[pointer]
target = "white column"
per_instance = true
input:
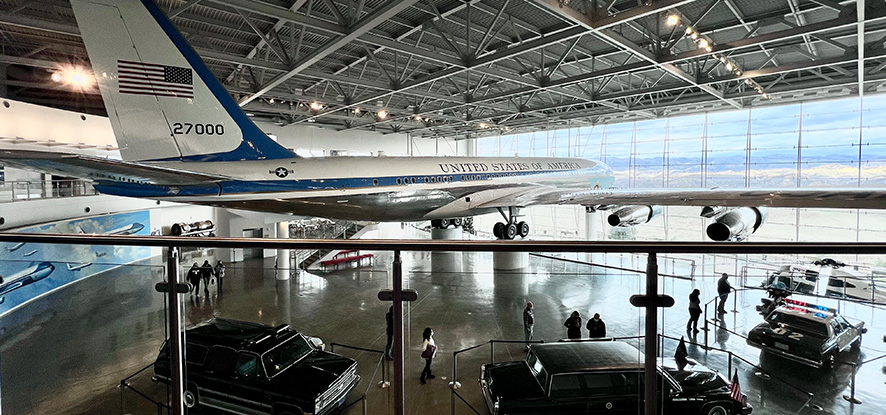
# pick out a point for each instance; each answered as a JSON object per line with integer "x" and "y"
{"x": 282, "y": 254}
{"x": 592, "y": 228}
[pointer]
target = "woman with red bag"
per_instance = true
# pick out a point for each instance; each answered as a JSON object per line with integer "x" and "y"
{"x": 429, "y": 350}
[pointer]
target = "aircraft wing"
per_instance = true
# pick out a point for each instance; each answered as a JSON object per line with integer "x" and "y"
{"x": 101, "y": 169}
{"x": 845, "y": 198}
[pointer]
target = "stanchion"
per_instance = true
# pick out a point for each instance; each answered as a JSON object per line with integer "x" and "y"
{"x": 734, "y": 301}
{"x": 851, "y": 397}
{"x": 705, "y": 328}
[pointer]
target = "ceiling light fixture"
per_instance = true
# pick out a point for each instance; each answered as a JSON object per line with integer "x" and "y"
{"x": 673, "y": 20}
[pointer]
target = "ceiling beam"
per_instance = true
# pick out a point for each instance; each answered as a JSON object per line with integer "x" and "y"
{"x": 377, "y": 16}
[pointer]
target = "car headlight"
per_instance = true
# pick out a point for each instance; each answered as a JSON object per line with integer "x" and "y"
{"x": 495, "y": 408}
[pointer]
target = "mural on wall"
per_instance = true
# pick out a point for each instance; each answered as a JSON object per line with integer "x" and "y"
{"x": 29, "y": 270}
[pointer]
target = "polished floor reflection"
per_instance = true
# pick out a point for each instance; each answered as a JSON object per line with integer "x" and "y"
{"x": 68, "y": 352}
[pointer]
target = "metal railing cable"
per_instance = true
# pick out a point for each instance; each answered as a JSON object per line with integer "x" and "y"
{"x": 125, "y": 385}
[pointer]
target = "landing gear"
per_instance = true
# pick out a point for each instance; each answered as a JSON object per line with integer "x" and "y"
{"x": 445, "y": 223}
{"x": 512, "y": 228}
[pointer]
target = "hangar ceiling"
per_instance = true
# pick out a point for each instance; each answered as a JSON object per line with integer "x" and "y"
{"x": 471, "y": 68}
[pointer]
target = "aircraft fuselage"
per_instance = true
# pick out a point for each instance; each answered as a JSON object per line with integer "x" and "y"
{"x": 371, "y": 188}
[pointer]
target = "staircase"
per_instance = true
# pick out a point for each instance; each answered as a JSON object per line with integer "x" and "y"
{"x": 343, "y": 230}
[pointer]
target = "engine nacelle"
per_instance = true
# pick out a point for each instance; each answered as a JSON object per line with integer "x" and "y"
{"x": 737, "y": 224}
{"x": 627, "y": 216}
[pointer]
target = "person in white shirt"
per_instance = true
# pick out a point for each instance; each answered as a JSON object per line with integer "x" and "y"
{"x": 428, "y": 352}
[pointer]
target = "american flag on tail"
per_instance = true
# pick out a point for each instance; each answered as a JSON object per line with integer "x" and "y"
{"x": 735, "y": 388}
{"x": 152, "y": 79}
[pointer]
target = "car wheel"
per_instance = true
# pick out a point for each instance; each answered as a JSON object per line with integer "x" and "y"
{"x": 716, "y": 409}
{"x": 830, "y": 361}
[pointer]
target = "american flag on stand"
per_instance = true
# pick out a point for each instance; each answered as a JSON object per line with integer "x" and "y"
{"x": 735, "y": 388}
{"x": 152, "y": 79}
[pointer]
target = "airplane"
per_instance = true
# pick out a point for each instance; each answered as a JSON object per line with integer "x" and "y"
{"x": 127, "y": 230}
{"x": 184, "y": 139}
{"x": 78, "y": 267}
{"x": 100, "y": 254}
{"x": 30, "y": 253}
{"x": 15, "y": 247}
{"x": 25, "y": 277}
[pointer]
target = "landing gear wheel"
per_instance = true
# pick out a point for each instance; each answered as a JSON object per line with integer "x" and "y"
{"x": 456, "y": 222}
{"x": 511, "y": 231}
{"x": 435, "y": 223}
{"x": 499, "y": 230}
{"x": 522, "y": 229}
{"x": 444, "y": 223}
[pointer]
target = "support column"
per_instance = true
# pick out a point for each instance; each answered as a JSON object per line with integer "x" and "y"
{"x": 176, "y": 336}
{"x": 592, "y": 228}
{"x": 282, "y": 254}
{"x": 399, "y": 407}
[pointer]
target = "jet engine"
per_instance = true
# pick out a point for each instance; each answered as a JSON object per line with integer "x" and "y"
{"x": 627, "y": 216}
{"x": 737, "y": 224}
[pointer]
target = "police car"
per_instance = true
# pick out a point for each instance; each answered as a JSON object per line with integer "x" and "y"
{"x": 807, "y": 333}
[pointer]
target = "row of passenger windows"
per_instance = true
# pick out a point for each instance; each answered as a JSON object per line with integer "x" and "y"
{"x": 442, "y": 179}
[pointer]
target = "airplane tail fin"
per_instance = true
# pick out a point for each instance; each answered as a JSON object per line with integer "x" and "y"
{"x": 163, "y": 102}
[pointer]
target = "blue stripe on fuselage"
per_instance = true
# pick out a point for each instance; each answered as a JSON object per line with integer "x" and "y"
{"x": 256, "y": 144}
{"x": 268, "y": 186}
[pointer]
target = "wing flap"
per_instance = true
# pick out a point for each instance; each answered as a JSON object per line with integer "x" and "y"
{"x": 102, "y": 170}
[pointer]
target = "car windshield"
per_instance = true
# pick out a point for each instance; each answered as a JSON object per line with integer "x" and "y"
{"x": 806, "y": 325}
{"x": 284, "y": 355}
{"x": 537, "y": 369}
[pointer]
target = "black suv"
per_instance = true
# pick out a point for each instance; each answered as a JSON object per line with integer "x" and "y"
{"x": 245, "y": 367}
{"x": 603, "y": 377}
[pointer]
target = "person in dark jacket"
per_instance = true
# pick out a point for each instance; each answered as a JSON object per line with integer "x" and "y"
{"x": 206, "y": 272}
{"x": 194, "y": 279}
{"x": 219, "y": 275}
{"x": 528, "y": 323}
{"x": 723, "y": 288}
{"x": 596, "y": 327}
{"x": 694, "y": 311}
{"x": 573, "y": 326}
{"x": 389, "y": 330}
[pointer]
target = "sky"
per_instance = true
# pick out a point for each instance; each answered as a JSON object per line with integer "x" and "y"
{"x": 829, "y": 137}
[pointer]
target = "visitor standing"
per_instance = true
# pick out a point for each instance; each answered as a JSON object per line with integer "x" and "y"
{"x": 429, "y": 351}
{"x": 573, "y": 326}
{"x": 723, "y": 289}
{"x": 596, "y": 327}
{"x": 528, "y": 323}
{"x": 694, "y": 311}
{"x": 219, "y": 275}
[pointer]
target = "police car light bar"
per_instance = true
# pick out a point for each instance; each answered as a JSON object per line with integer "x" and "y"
{"x": 810, "y": 306}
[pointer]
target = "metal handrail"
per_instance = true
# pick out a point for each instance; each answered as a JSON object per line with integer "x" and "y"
{"x": 860, "y": 248}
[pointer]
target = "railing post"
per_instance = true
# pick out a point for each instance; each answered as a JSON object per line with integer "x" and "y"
{"x": 730, "y": 362}
{"x": 491, "y": 351}
{"x": 176, "y": 336}
{"x": 399, "y": 407}
{"x": 735, "y": 301}
{"x": 651, "y": 384}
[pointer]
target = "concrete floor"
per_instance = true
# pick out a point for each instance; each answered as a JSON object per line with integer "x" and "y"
{"x": 68, "y": 352}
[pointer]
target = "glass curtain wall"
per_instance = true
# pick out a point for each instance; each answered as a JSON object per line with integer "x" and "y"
{"x": 817, "y": 144}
